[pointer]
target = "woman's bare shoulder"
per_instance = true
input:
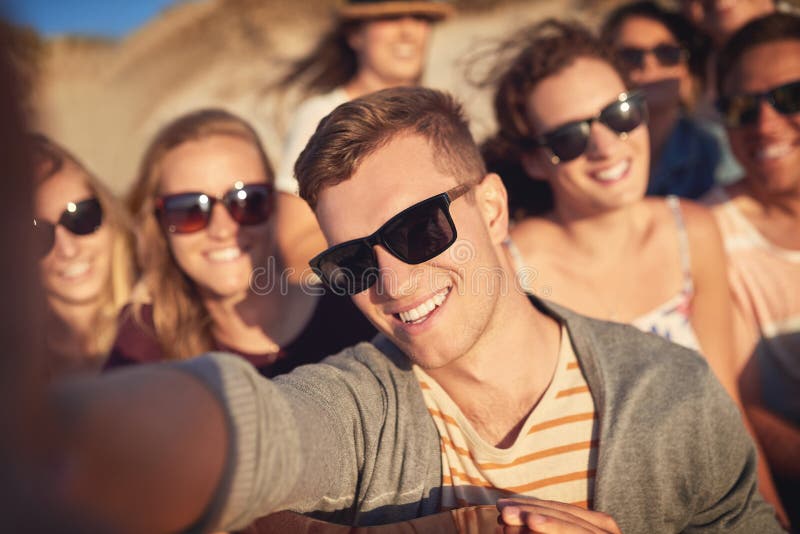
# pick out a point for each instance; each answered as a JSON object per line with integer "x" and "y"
{"x": 699, "y": 221}
{"x": 696, "y": 218}
{"x": 534, "y": 234}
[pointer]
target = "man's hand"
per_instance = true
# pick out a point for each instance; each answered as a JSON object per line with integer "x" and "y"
{"x": 550, "y": 517}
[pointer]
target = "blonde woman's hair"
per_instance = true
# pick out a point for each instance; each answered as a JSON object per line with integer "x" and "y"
{"x": 49, "y": 159}
{"x": 182, "y": 324}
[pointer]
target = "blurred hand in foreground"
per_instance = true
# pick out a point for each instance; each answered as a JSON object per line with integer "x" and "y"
{"x": 551, "y": 517}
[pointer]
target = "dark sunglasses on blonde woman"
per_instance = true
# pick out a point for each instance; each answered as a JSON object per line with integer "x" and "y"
{"x": 183, "y": 213}
{"x": 744, "y": 109}
{"x": 415, "y": 235}
{"x": 570, "y": 140}
{"x": 80, "y": 218}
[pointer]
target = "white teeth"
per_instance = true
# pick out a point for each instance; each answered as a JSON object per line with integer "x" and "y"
{"x": 773, "y": 151}
{"x": 421, "y": 312}
{"x": 75, "y": 270}
{"x": 225, "y": 254}
{"x": 404, "y": 51}
{"x": 615, "y": 172}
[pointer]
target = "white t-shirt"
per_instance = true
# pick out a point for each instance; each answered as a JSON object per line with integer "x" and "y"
{"x": 304, "y": 124}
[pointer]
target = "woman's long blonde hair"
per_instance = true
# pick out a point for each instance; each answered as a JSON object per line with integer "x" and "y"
{"x": 182, "y": 324}
{"x": 49, "y": 160}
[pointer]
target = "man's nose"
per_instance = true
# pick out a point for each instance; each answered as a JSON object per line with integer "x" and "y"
{"x": 396, "y": 278}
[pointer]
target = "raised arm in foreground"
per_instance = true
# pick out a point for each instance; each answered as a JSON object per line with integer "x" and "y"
{"x": 141, "y": 450}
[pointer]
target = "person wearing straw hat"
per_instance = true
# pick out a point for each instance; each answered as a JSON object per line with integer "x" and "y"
{"x": 374, "y": 45}
{"x": 360, "y": 9}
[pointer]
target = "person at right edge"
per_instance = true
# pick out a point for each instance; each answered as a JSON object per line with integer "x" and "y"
{"x": 758, "y": 75}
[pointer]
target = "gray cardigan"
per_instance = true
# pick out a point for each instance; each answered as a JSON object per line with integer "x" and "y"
{"x": 352, "y": 441}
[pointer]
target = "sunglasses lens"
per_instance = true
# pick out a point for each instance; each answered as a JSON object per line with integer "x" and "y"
{"x": 668, "y": 55}
{"x": 85, "y": 218}
{"x": 624, "y": 116}
{"x": 348, "y": 269}
{"x": 739, "y": 110}
{"x": 632, "y": 57}
{"x": 787, "y": 98}
{"x": 414, "y": 236}
{"x": 251, "y": 204}
{"x": 569, "y": 141}
{"x": 185, "y": 213}
{"x": 420, "y": 233}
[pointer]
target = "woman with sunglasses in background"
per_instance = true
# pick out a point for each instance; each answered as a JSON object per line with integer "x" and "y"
{"x": 86, "y": 263}
{"x": 591, "y": 240}
{"x": 665, "y": 58}
{"x": 203, "y": 209}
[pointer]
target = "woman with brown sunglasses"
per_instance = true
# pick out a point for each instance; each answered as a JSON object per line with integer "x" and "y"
{"x": 572, "y": 131}
{"x": 203, "y": 208}
{"x": 86, "y": 266}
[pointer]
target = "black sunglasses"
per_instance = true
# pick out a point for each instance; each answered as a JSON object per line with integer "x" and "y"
{"x": 570, "y": 140}
{"x": 183, "y": 213}
{"x": 744, "y": 109}
{"x": 80, "y": 218}
{"x": 415, "y": 235}
{"x": 667, "y": 55}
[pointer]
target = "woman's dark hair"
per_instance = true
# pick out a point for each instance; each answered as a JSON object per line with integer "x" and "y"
{"x": 537, "y": 52}
{"x": 331, "y": 64}
{"x": 696, "y": 42}
{"x": 776, "y": 26}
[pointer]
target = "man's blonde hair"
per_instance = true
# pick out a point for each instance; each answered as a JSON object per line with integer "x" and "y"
{"x": 358, "y": 128}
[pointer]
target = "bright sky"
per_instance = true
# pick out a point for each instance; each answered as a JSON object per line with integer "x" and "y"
{"x": 111, "y": 18}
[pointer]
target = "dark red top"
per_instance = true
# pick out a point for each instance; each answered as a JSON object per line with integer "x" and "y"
{"x": 335, "y": 324}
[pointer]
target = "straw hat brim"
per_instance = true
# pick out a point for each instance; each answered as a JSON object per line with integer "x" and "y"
{"x": 434, "y": 10}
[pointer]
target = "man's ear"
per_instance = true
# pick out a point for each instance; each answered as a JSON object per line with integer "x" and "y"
{"x": 536, "y": 165}
{"x": 492, "y": 199}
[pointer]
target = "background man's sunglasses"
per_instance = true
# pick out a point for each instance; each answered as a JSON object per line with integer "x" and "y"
{"x": 183, "y": 213}
{"x": 744, "y": 109}
{"x": 80, "y": 218}
{"x": 570, "y": 140}
{"x": 667, "y": 55}
{"x": 415, "y": 235}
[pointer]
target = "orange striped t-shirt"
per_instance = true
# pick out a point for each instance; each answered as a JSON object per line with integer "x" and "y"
{"x": 554, "y": 457}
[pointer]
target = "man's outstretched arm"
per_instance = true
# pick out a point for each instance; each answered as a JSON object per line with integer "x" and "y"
{"x": 141, "y": 450}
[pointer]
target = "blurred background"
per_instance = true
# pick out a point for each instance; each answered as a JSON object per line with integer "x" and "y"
{"x": 102, "y": 77}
